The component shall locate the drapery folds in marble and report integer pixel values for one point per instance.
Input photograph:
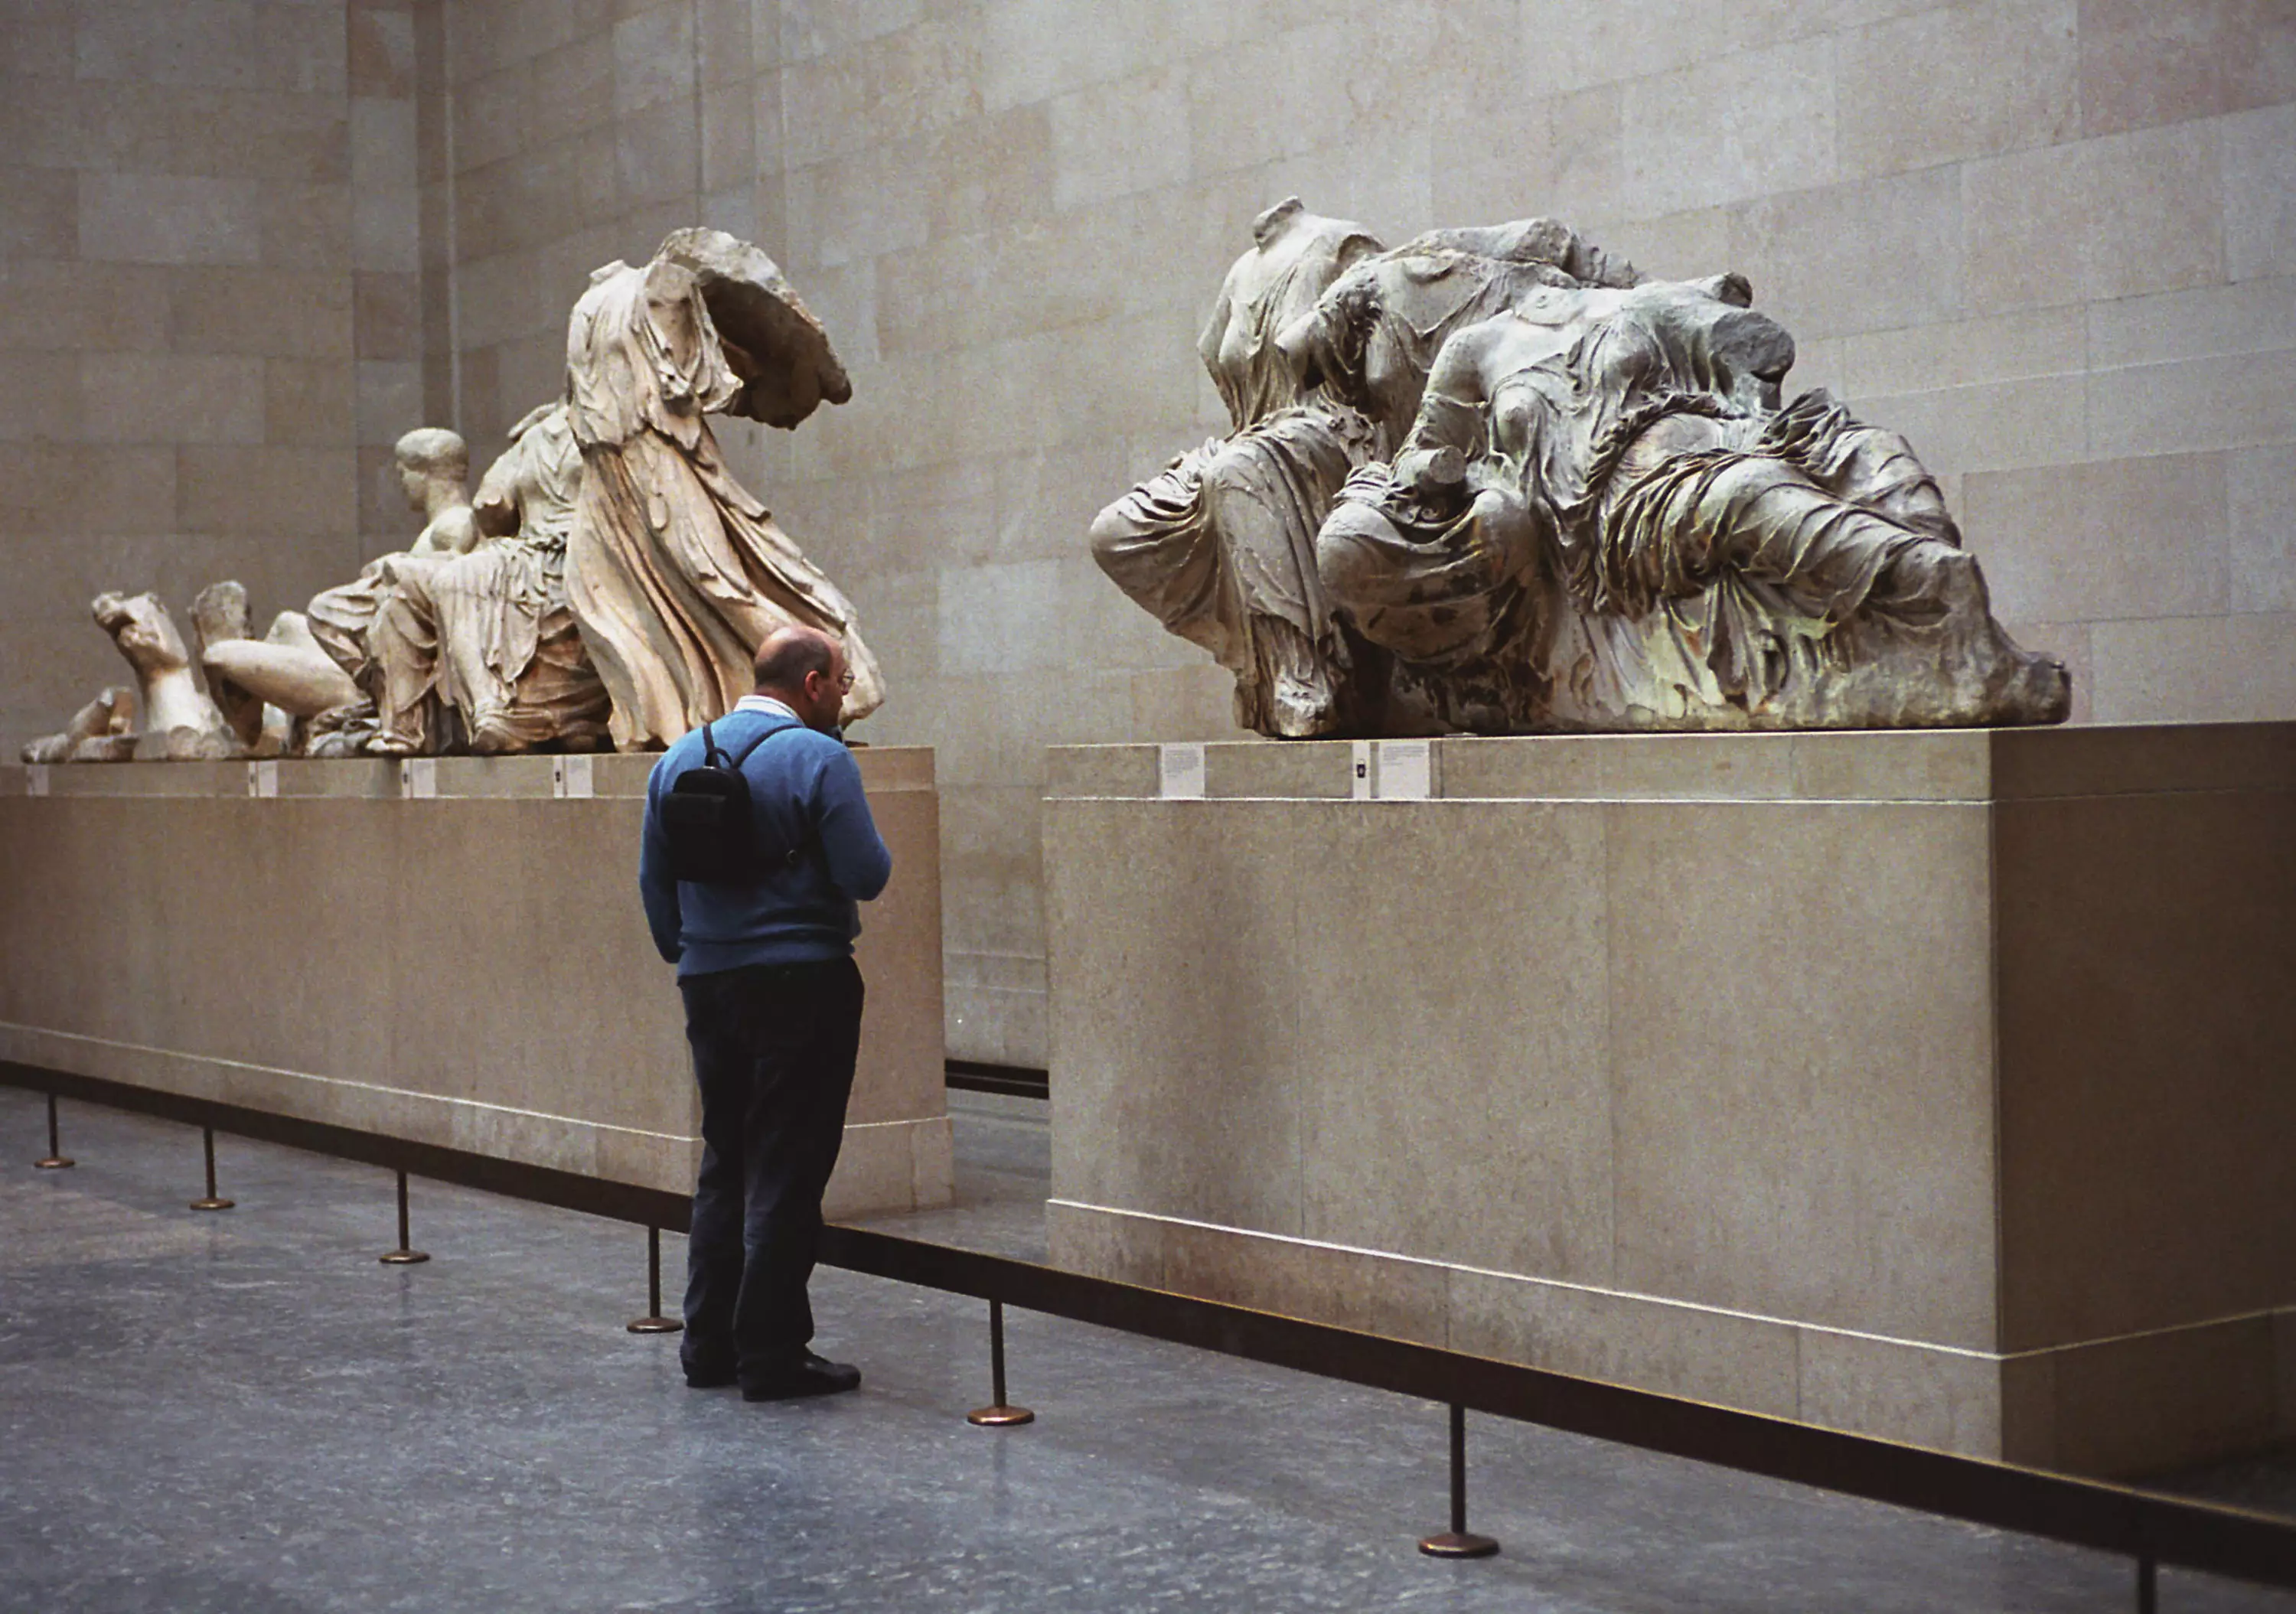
(1574, 500)
(675, 572)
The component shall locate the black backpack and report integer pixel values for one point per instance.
(707, 820)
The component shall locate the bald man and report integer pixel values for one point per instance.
(773, 1013)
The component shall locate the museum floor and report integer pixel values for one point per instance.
(244, 1412)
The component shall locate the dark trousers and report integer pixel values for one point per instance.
(774, 1047)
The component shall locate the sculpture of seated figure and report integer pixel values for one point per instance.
(463, 639)
(434, 470)
(1220, 544)
(1601, 519)
(487, 634)
(1597, 514)
(1319, 343)
(317, 669)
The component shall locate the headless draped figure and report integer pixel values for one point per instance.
(675, 572)
(1220, 544)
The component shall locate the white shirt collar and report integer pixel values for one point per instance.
(767, 704)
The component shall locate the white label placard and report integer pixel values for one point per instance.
(1180, 773)
(573, 779)
(418, 778)
(1360, 772)
(1407, 770)
(263, 780)
(36, 780)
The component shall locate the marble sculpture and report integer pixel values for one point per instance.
(102, 730)
(607, 585)
(675, 572)
(180, 721)
(1497, 480)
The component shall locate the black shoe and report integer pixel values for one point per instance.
(813, 1376)
(709, 1378)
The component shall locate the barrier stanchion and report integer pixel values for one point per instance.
(1458, 1542)
(999, 1414)
(57, 1159)
(404, 1255)
(210, 1202)
(654, 1322)
(2143, 1528)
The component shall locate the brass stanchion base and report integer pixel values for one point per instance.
(656, 1325)
(402, 1257)
(1000, 1417)
(212, 1203)
(1450, 1545)
(55, 1162)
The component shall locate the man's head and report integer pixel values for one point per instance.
(804, 668)
(431, 458)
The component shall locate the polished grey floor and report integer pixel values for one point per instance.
(244, 1412)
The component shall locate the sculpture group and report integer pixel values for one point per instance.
(604, 588)
(1492, 479)
(1497, 480)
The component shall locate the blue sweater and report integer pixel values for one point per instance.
(803, 786)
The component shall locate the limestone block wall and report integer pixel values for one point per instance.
(2051, 239)
(208, 312)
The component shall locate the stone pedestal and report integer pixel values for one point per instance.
(1935, 1086)
(469, 967)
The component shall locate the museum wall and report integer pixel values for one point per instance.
(209, 331)
(2052, 242)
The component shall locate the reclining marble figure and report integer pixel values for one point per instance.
(317, 667)
(300, 677)
(1574, 500)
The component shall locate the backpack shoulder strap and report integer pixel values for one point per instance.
(743, 756)
(805, 830)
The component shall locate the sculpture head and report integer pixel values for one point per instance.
(434, 463)
(146, 634)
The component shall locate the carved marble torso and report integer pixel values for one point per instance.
(1295, 256)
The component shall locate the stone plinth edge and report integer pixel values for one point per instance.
(1903, 765)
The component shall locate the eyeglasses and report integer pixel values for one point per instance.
(844, 681)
